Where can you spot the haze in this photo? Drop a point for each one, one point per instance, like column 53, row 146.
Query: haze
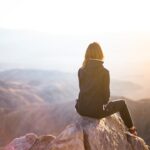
column 47, row 34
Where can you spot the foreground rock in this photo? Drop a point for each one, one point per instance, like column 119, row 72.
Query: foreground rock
column 86, row 134
column 30, row 141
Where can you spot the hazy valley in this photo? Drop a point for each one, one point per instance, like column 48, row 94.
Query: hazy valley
column 43, row 101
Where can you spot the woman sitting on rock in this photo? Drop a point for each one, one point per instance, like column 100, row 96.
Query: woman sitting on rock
column 93, row 98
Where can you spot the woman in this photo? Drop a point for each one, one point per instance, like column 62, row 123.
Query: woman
column 93, row 99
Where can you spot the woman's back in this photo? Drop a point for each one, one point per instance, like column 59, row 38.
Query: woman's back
column 94, row 87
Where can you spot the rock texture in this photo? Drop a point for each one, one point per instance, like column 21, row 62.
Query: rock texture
column 22, row 143
column 30, row 142
column 85, row 134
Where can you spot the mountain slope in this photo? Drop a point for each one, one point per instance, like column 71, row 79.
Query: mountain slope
column 84, row 134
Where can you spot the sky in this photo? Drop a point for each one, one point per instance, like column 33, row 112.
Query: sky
column 38, row 33
column 75, row 16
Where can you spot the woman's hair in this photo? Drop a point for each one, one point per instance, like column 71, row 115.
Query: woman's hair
column 94, row 51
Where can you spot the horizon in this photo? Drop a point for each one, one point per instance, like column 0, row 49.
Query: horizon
column 54, row 35
column 27, row 49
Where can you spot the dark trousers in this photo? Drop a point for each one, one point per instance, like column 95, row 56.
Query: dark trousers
column 118, row 106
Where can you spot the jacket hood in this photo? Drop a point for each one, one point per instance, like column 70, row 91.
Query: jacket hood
column 95, row 63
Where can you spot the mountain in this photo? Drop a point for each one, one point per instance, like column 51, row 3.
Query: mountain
column 55, row 117
column 26, row 95
column 38, row 118
column 84, row 134
column 15, row 94
column 48, row 85
column 140, row 113
column 49, row 82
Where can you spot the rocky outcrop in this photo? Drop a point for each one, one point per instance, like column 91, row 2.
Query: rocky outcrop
column 22, row 143
column 30, row 142
column 85, row 134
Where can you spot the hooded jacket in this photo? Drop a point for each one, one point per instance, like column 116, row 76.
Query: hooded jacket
column 94, row 91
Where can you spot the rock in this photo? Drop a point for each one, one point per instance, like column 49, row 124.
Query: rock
column 30, row 142
column 72, row 138
column 137, row 143
column 86, row 134
column 22, row 143
column 91, row 134
column 42, row 143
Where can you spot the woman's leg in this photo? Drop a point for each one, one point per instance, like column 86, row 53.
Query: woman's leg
column 121, row 107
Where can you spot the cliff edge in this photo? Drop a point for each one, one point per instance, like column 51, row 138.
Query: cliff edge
column 85, row 134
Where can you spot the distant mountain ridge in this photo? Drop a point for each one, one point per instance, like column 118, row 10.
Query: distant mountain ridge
column 51, row 80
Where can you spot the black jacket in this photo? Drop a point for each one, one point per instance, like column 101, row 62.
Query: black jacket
column 94, row 88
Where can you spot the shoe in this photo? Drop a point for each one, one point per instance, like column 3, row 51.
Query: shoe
column 133, row 131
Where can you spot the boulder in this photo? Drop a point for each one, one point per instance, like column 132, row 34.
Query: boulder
column 85, row 134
